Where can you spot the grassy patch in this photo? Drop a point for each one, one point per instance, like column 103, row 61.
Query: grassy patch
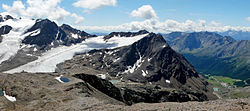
column 217, row 80
column 227, row 80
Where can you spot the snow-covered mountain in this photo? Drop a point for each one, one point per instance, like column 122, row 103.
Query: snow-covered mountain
column 39, row 45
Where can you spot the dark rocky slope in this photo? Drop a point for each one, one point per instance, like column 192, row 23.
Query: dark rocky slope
column 148, row 61
column 125, row 34
column 52, row 35
column 147, row 94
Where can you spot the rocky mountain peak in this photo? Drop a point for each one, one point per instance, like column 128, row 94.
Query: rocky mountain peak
column 74, row 33
column 149, row 60
column 43, row 33
column 126, row 34
column 46, row 34
column 4, row 30
column 5, row 17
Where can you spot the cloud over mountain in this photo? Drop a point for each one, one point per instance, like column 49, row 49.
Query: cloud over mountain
column 40, row 9
column 94, row 4
column 145, row 11
column 167, row 26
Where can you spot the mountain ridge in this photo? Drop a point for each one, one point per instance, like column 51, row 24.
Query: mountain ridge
column 220, row 51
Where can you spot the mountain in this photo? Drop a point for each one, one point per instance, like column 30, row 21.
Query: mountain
column 25, row 41
column 192, row 41
column 4, row 30
column 126, row 34
column 46, row 32
column 237, row 35
column 5, row 18
column 150, row 60
column 213, row 53
column 121, row 68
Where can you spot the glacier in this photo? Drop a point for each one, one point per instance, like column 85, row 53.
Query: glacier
column 48, row 61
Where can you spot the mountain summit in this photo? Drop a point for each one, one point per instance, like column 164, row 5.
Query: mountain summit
column 149, row 60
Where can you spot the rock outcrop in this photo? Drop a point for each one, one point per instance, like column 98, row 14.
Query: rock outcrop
column 125, row 34
column 146, row 94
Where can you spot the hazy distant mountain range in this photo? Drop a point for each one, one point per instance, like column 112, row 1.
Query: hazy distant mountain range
column 237, row 35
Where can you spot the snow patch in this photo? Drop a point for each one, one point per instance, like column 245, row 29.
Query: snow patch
column 59, row 79
column 29, row 55
column 10, row 98
column 124, row 41
column 35, row 49
column 35, row 32
column 102, row 76
column 76, row 36
column 163, row 46
column 143, row 73
column 167, row 81
column 149, row 59
column 136, row 65
column 116, row 60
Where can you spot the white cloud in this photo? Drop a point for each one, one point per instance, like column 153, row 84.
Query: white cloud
column 40, row 9
column 154, row 25
column 146, row 11
column 94, row 4
column 248, row 19
column 17, row 7
column 77, row 18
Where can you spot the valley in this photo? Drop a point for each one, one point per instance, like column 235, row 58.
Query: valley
column 212, row 53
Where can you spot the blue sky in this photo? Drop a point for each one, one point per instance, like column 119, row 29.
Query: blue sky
column 233, row 13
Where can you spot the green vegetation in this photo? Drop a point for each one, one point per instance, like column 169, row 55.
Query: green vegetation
column 228, row 67
column 217, row 80
column 227, row 80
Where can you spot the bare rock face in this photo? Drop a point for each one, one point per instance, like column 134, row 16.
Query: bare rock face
column 125, row 34
column 4, row 30
column 4, row 18
column 79, row 35
column 51, row 35
column 49, row 32
column 148, row 94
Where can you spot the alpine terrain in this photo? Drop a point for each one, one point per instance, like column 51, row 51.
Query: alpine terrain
column 212, row 53
column 44, row 66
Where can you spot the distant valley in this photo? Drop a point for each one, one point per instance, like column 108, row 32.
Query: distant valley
column 211, row 53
